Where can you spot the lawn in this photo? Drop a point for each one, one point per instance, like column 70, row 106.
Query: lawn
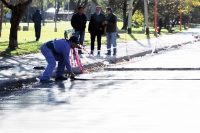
column 28, row 45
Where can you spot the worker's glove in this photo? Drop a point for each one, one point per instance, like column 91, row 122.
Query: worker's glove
column 71, row 75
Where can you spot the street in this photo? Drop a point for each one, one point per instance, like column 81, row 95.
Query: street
column 123, row 101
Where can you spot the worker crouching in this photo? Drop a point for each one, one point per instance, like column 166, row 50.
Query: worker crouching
column 58, row 50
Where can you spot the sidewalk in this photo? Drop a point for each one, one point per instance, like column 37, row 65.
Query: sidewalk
column 16, row 71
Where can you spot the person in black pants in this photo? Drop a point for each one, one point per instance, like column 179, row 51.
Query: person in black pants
column 160, row 25
column 78, row 22
column 96, row 28
column 37, row 19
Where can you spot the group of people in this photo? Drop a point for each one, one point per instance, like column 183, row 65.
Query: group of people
column 59, row 50
column 99, row 24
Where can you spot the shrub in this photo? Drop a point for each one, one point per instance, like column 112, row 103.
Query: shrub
column 138, row 18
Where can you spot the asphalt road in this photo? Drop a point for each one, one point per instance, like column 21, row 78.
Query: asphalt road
column 154, row 94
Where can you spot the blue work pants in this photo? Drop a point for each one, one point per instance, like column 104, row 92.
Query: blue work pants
column 51, row 60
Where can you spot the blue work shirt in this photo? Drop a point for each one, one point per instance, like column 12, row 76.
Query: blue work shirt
column 62, row 48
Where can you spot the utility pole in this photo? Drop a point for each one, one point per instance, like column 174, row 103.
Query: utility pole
column 55, row 18
column 42, row 11
column 28, row 18
column 68, row 10
column 130, row 5
column 146, row 17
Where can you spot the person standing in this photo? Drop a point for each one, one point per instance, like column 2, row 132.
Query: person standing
column 96, row 29
column 78, row 23
column 37, row 19
column 111, row 30
column 58, row 50
column 160, row 25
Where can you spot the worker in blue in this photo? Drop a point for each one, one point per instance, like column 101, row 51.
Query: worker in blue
column 58, row 50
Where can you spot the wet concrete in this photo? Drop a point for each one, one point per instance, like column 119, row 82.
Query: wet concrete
column 111, row 103
column 105, row 105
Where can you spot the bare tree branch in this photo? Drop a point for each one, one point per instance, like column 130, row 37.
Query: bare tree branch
column 136, row 5
column 84, row 3
column 7, row 4
column 11, row 6
column 27, row 2
column 78, row 3
column 95, row 1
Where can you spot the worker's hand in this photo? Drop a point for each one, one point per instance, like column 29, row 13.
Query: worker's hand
column 71, row 75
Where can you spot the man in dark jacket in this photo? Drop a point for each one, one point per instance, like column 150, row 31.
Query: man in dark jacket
column 111, row 30
column 78, row 22
column 160, row 25
column 37, row 19
column 96, row 28
column 58, row 50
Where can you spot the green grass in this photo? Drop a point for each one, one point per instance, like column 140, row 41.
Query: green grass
column 28, row 45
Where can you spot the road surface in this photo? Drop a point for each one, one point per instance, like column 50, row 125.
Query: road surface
column 143, row 96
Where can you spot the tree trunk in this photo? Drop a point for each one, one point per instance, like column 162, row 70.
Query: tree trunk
column 14, row 21
column 1, row 17
column 13, row 42
column 17, row 14
column 124, row 15
column 136, row 5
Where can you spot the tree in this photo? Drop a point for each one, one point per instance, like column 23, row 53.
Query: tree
column 1, row 17
column 76, row 3
column 172, row 9
column 121, row 7
column 18, row 9
column 137, row 5
column 195, row 16
column 196, row 3
column 124, row 14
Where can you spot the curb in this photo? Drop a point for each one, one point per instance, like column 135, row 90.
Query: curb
column 19, row 83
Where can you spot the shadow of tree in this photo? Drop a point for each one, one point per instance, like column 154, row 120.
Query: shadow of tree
column 4, row 43
column 23, row 48
column 29, row 42
column 136, row 40
column 6, row 53
column 18, row 66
